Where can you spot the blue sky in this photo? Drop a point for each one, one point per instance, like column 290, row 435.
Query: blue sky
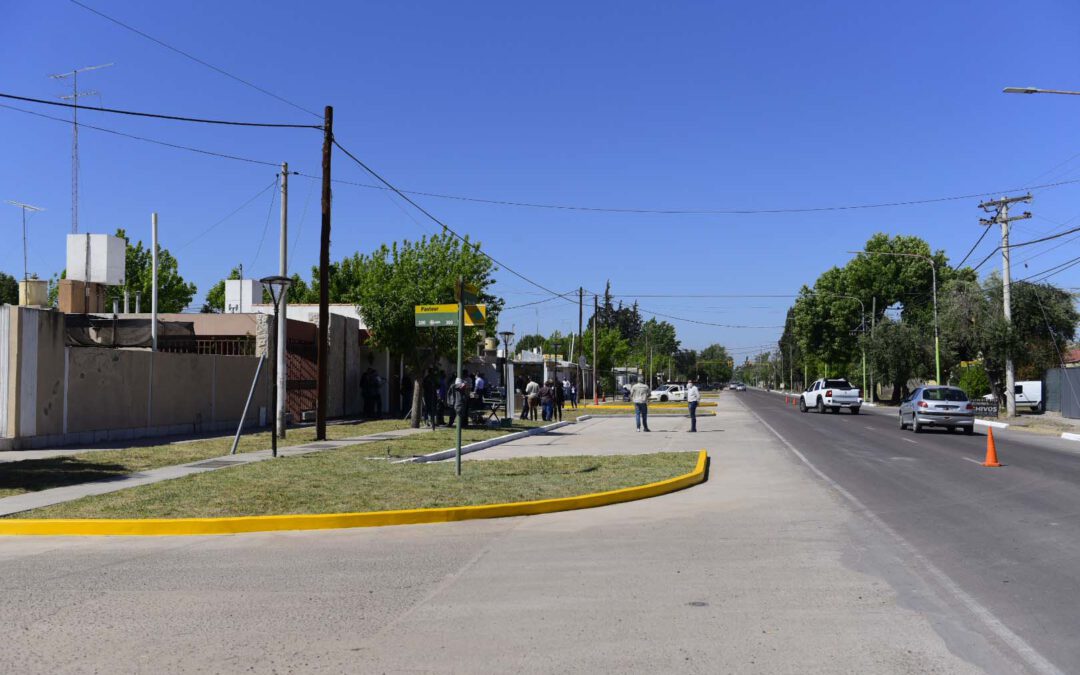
column 694, row 105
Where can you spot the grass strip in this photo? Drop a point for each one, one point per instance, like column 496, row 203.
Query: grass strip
column 348, row 480
column 32, row 475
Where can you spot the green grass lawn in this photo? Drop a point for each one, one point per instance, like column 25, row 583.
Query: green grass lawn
column 348, row 480
column 32, row 475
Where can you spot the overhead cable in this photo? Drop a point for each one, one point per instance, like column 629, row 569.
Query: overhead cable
column 176, row 118
column 194, row 58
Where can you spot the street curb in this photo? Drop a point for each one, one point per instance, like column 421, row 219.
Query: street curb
column 483, row 445
column 328, row 521
column 988, row 423
column 620, row 416
column 1070, row 436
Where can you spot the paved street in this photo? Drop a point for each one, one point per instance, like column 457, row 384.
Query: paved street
column 1008, row 537
column 761, row 569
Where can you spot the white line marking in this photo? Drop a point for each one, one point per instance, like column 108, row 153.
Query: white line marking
column 870, row 428
column 909, row 441
column 972, row 460
column 1025, row 651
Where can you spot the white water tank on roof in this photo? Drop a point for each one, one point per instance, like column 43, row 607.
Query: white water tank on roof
column 107, row 258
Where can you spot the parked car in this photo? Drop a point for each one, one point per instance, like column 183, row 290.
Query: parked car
column 739, row 386
column 940, row 406
column 831, row 394
column 1029, row 394
column 668, row 392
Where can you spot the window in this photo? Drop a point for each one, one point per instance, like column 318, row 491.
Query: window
column 837, row 384
column 945, row 394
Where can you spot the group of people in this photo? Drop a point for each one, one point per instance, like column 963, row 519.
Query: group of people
column 639, row 394
column 371, row 393
column 547, row 399
column 442, row 396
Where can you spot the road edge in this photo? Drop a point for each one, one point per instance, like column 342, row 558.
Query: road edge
column 333, row 521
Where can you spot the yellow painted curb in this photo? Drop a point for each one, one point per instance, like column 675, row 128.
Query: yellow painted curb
column 328, row 521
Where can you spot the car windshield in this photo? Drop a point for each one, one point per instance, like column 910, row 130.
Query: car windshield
column 944, row 394
column 837, row 384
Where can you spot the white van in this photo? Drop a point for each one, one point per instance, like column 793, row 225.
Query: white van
column 1030, row 395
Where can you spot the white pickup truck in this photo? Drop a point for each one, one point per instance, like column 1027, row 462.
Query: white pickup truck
column 668, row 392
column 831, row 394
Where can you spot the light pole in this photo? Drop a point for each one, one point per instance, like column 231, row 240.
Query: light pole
column 933, row 272
column 1036, row 90
column 507, row 336
column 277, row 286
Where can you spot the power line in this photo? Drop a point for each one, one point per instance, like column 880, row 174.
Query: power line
column 231, row 214
column 194, row 58
column 447, row 228
column 266, row 226
column 160, row 116
column 700, row 212
column 1027, row 243
column 143, row 138
column 977, row 242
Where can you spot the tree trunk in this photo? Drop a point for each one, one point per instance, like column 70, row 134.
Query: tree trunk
column 417, row 402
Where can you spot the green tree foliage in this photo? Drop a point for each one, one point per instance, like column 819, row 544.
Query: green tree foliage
column 9, row 289
column 899, row 351
column 626, row 320
column 612, row 350
column 387, row 284
column 528, row 343
column 974, row 381
column 174, row 294
column 714, row 363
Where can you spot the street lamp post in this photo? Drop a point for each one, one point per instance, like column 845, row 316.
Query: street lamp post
column 933, row 272
column 277, row 286
column 507, row 336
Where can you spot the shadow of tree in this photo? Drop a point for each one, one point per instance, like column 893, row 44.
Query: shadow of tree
column 33, row 475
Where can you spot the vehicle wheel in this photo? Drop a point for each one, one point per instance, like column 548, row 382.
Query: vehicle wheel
column 855, row 410
column 903, row 424
column 821, row 407
column 969, row 430
column 663, row 399
column 915, row 426
column 950, row 429
column 802, row 405
column 835, row 411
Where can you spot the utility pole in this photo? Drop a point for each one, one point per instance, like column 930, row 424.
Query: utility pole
column 74, row 98
column 25, row 208
column 324, row 277
column 282, row 324
column 873, row 324
column 580, row 337
column 595, row 363
column 1001, row 216
column 154, row 280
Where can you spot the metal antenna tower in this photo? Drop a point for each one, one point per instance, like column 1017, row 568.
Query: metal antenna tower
column 74, row 98
column 25, row 208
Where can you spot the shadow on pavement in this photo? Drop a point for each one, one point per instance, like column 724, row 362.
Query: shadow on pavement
column 34, row 475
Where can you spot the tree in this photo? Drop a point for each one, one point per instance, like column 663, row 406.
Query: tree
column 527, row 343
column 612, row 350
column 174, row 294
column 714, row 363
column 899, row 350
column 9, row 289
column 627, row 320
column 387, row 284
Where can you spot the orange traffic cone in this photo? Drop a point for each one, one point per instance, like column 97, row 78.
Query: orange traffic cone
column 787, row 400
column 991, row 450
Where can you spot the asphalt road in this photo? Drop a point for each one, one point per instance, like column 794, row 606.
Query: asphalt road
column 762, row 569
column 1008, row 537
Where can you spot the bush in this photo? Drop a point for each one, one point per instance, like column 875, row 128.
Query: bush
column 974, row 381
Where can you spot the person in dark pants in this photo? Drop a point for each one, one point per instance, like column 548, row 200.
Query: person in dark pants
column 692, row 398
column 547, row 400
column 560, row 398
column 429, row 385
column 440, row 398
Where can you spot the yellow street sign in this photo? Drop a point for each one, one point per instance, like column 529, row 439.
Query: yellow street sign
column 446, row 315
column 475, row 315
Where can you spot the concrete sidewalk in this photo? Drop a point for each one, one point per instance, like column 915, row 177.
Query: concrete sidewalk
column 41, row 498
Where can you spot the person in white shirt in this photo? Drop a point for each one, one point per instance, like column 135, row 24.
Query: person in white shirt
column 639, row 394
column 692, row 398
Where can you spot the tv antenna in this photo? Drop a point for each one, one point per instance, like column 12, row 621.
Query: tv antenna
column 74, row 98
column 25, row 208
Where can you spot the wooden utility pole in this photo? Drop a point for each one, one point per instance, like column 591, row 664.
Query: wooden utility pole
column 595, row 363
column 324, row 277
column 580, row 338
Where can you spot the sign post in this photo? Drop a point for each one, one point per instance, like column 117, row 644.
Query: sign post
column 460, row 344
column 465, row 313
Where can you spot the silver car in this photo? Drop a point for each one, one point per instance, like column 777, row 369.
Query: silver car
column 947, row 407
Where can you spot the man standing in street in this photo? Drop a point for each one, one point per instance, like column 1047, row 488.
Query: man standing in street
column 639, row 394
column 692, row 398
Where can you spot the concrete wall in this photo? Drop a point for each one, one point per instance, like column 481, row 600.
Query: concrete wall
column 59, row 395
